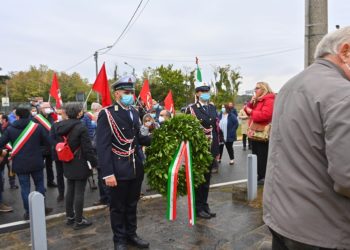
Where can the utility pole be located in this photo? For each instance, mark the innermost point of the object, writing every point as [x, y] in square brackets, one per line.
[96, 63]
[316, 26]
[115, 72]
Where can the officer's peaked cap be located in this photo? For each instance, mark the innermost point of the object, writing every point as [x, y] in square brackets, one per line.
[201, 86]
[125, 82]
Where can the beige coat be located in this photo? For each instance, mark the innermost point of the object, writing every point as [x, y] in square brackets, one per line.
[244, 118]
[307, 184]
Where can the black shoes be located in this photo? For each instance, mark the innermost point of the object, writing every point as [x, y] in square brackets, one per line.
[210, 213]
[60, 197]
[26, 216]
[215, 170]
[70, 221]
[99, 203]
[83, 224]
[261, 182]
[52, 184]
[120, 246]
[48, 210]
[138, 242]
[204, 215]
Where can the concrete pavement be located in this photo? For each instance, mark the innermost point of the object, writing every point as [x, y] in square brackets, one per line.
[226, 173]
[238, 225]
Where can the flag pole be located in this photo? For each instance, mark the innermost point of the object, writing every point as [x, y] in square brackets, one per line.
[87, 98]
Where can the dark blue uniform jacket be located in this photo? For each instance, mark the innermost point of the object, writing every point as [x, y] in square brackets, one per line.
[208, 119]
[124, 168]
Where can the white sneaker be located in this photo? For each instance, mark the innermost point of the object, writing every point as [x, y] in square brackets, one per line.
[232, 162]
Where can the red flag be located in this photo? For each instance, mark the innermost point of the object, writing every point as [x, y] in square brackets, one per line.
[169, 103]
[101, 86]
[55, 91]
[145, 95]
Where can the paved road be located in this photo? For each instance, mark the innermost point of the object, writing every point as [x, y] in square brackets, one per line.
[226, 173]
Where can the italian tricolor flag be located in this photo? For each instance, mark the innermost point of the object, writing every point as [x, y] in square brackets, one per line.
[184, 151]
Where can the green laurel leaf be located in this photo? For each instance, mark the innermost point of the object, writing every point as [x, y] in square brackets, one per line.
[165, 142]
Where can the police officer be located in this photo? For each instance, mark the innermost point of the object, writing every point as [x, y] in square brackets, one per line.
[207, 115]
[118, 138]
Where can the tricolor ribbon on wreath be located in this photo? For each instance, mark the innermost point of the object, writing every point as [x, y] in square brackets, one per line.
[184, 151]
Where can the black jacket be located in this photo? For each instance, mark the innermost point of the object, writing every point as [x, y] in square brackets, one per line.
[208, 119]
[29, 158]
[80, 143]
[123, 167]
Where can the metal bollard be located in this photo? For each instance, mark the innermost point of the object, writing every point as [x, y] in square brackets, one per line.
[252, 176]
[37, 221]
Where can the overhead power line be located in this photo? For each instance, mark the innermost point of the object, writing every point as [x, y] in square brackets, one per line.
[77, 64]
[124, 30]
[116, 41]
[187, 59]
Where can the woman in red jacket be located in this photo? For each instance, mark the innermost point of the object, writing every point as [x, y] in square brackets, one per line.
[260, 110]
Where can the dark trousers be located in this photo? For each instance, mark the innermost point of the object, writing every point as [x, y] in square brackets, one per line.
[49, 171]
[244, 140]
[260, 149]
[280, 242]
[75, 199]
[202, 192]
[24, 182]
[60, 178]
[11, 175]
[123, 208]
[102, 188]
[229, 147]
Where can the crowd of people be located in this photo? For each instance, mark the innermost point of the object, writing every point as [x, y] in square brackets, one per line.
[300, 140]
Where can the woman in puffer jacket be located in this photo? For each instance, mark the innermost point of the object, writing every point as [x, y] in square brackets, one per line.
[77, 170]
[260, 110]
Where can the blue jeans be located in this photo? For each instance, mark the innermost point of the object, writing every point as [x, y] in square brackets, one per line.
[24, 182]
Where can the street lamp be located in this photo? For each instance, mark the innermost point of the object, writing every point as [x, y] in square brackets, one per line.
[96, 64]
[133, 69]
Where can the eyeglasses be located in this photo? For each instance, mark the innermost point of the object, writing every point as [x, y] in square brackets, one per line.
[257, 88]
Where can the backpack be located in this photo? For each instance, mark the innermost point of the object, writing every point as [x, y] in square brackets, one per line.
[63, 150]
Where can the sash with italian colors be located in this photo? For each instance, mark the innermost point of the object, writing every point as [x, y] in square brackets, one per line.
[23, 138]
[43, 121]
[183, 151]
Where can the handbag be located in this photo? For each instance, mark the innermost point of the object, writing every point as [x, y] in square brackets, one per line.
[259, 132]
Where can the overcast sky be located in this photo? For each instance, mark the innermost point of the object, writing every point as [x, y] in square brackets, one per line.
[264, 39]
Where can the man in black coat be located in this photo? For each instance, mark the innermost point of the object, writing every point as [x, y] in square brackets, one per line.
[118, 138]
[27, 159]
[207, 115]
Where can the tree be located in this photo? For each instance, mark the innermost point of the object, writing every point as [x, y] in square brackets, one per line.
[227, 82]
[24, 85]
[165, 78]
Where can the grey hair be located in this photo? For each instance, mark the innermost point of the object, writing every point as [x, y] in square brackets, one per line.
[95, 106]
[73, 109]
[330, 43]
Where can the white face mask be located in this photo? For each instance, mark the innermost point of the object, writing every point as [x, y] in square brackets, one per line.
[59, 118]
[148, 124]
[48, 110]
[161, 119]
[34, 113]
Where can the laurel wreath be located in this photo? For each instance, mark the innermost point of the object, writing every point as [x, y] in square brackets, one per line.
[164, 144]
